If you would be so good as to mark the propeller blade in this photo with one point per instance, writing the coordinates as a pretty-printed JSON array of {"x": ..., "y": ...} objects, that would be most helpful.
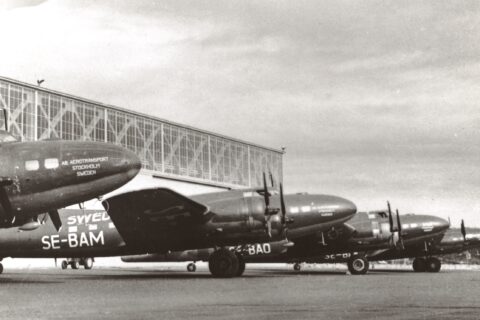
[
  {"x": 399, "y": 224},
  {"x": 55, "y": 217},
  {"x": 266, "y": 195},
  {"x": 269, "y": 227},
  {"x": 464, "y": 232},
  {"x": 271, "y": 180},
  {"x": 390, "y": 218},
  {"x": 282, "y": 207}
]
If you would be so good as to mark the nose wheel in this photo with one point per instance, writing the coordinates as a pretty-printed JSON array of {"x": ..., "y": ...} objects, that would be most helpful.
[{"x": 297, "y": 266}]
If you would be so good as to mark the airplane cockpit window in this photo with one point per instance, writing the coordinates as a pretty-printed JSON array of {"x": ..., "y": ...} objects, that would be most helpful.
[
  {"x": 6, "y": 137},
  {"x": 32, "y": 165},
  {"x": 51, "y": 163}
]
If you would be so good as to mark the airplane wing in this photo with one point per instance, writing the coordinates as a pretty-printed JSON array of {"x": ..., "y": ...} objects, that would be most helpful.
[{"x": 151, "y": 218}]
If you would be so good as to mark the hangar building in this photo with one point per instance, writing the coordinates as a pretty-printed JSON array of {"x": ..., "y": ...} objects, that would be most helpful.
[{"x": 187, "y": 159}]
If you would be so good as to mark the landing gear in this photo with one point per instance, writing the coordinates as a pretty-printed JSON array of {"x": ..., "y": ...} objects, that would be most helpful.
[
  {"x": 191, "y": 267},
  {"x": 358, "y": 265},
  {"x": 75, "y": 263},
  {"x": 297, "y": 266},
  {"x": 433, "y": 264},
  {"x": 419, "y": 265},
  {"x": 223, "y": 263},
  {"x": 87, "y": 263},
  {"x": 1, "y": 268}
]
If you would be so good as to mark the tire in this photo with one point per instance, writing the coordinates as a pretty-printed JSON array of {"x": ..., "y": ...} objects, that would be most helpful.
[
  {"x": 191, "y": 267},
  {"x": 433, "y": 264},
  {"x": 419, "y": 265},
  {"x": 223, "y": 263},
  {"x": 241, "y": 266},
  {"x": 358, "y": 265},
  {"x": 1, "y": 268},
  {"x": 64, "y": 265},
  {"x": 297, "y": 266},
  {"x": 88, "y": 263},
  {"x": 75, "y": 265}
]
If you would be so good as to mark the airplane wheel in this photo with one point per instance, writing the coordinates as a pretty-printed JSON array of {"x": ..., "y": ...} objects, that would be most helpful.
[
  {"x": 297, "y": 266},
  {"x": 419, "y": 265},
  {"x": 75, "y": 265},
  {"x": 64, "y": 265},
  {"x": 191, "y": 267},
  {"x": 358, "y": 265},
  {"x": 433, "y": 264},
  {"x": 223, "y": 263},
  {"x": 1, "y": 268},
  {"x": 88, "y": 263},
  {"x": 241, "y": 266}
]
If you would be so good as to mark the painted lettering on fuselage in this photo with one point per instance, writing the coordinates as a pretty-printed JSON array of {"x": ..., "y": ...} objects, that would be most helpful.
[
  {"x": 339, "y": 256},
  {"x": 257, "y": 249},
  {"x": 73, "y": 240},
  {"x": 81, "y": 232},
  {"x": 83, "y": 219},
  {"x": 85, "y": 166}
]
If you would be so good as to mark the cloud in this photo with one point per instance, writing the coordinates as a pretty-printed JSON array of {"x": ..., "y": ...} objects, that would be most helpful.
[{"x": 373, "y": 99}]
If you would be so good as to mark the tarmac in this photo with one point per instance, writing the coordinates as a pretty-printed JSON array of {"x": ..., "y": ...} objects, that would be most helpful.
[{"x": 262, "y": 293}]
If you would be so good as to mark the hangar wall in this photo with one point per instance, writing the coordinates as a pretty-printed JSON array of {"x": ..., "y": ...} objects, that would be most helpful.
[{"x": 196, "y": 160}]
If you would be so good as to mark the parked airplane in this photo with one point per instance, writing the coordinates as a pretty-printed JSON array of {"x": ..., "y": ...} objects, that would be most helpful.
[
  {"x": 161, "y": 220},
  {"x": 43, "y": 176},
  {"x": 368, "y": 236}
]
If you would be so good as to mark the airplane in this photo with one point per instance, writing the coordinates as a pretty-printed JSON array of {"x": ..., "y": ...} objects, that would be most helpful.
[
  {"x": 162, "y": 220},
  {"x": 39, "y": 177},
  {"x": 368, "y": 236}
]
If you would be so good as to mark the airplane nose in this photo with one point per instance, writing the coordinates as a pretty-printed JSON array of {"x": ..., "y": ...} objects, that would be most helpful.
[
  {"x": 345, "y": 208},
  {"x": 441, "y": 224},
  {"x": 131, "y": 163}
]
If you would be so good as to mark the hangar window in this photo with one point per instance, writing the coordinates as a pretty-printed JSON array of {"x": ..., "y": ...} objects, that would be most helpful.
[
  {"x": 32, "y": 165},
  {"x": 51, "y": 163}
]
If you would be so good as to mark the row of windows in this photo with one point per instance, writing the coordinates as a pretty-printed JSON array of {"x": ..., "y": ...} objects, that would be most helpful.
[
  {"x": 162, "y": 147},
  {"x": 33, "y": 165}
]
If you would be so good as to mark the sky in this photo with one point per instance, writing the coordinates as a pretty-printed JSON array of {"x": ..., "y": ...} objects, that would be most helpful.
[{"x": 373, "y": 100}]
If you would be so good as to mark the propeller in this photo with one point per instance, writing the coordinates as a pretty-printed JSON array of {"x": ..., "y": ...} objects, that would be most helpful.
[
  {"x": 271, "y": 180},
  {"x": 55, "y": 217},
  {"x": 269, "y": 212},
  {"x": 399, "y": 230},
  {"x": 464, "y": 232},
  {"x": 396, "y": 231},
  {"x": 390, "y": 219}
]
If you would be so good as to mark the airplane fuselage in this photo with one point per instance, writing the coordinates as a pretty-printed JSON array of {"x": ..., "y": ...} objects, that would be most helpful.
[{"x": 40, "y": 176}]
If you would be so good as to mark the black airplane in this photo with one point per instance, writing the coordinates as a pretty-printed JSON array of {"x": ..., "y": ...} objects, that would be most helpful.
[
  {"x": 43, "y": 176},
  {"x": 161, "y": 220},
  {"x": 368, "y": 236}
]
